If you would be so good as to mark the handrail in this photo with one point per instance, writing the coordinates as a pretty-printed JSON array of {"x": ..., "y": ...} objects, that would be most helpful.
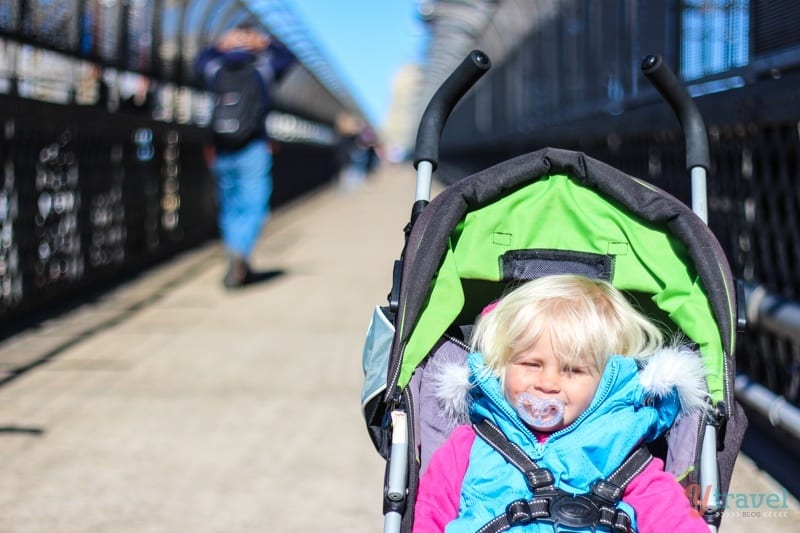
[
  {"x": 780, "y": 316},
  {"x": 780, "y": 413},
  {"x": 772, "y": 313}
]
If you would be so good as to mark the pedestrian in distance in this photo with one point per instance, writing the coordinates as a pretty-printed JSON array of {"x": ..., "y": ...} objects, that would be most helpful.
[
  {"x": 242, "y": 68},
  {"x": 351, "y": 151}
]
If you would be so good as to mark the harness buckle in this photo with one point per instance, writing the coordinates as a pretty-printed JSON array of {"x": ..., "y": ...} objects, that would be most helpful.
[
  {"x": 574, "y": 511},
  {"x": 538, "y": 478},
  {"x": 518, "y": 513},
  {"x": 622, "y": 522},
  {"x": 607, "y": 491}
]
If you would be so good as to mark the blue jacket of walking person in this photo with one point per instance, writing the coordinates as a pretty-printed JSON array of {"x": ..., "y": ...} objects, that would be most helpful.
[{"x": 271, "y": 63}]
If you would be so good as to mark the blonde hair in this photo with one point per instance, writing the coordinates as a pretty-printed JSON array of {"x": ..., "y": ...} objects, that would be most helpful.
[{"x": 588, "y": 321}]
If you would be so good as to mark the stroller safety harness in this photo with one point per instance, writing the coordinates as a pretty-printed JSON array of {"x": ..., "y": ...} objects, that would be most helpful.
[{"x": 554, "y": 505}]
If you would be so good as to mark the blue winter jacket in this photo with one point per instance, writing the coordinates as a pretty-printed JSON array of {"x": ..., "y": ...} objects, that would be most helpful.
[{"x": 619, "y": 418}]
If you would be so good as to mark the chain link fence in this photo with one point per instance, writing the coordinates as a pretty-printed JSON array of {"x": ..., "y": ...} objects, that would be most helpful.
[{"x": 573, "y": 82}]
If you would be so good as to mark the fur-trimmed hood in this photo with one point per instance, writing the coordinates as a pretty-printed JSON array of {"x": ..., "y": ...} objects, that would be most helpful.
[{"x": 672, "y": 372}]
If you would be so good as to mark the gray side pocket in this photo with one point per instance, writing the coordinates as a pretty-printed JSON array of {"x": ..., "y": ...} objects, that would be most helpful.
[{"x": 375, "y": 358}]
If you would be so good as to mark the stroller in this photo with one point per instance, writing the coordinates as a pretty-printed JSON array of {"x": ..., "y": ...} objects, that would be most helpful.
[{"x": 519, "y": 220}]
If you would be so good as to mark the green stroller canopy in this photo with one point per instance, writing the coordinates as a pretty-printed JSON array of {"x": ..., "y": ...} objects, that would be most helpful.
[{"x": 558, "y": 212}]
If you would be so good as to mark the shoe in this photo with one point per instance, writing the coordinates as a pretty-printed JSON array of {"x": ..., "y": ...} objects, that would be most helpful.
[{"x": 238, "y": 272}]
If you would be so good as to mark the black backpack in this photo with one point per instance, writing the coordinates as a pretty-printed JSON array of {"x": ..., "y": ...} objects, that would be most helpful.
[{"x": 241, "y": 105}]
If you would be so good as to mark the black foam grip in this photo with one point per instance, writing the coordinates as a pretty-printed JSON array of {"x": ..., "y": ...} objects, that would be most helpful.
[
  {"x": 674, "y": 92},
  {"x": 442, "y": 103}
]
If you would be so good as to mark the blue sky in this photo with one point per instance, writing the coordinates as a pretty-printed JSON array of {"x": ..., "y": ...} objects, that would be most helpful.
[{"x": 366, "y": 41}]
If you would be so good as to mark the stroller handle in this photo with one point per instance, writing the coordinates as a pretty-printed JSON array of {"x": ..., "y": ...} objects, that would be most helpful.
[
  {"x": 673, "y": 91},
  {"x": 442, "y": 103}
]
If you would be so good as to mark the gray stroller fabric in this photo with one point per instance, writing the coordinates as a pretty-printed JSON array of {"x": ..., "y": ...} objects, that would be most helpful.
[{"x": 432, "y": 427}]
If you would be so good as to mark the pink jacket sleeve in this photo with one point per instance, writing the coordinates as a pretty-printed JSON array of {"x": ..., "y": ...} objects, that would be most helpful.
[
  {"x": 660, "y": 503},
  {"x": 440, "y": 485}
]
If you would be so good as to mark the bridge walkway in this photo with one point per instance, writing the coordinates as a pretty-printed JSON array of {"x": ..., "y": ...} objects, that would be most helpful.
[{"x": 172, "y": 405}]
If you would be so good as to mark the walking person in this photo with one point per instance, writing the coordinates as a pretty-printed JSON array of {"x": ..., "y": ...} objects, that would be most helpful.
[
  {"x": 242, "y": 67},
  {"x": 352, "y": 151}
]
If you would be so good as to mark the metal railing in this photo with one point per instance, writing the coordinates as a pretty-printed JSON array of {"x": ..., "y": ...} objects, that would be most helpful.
[{"x": 779, "y": 317}]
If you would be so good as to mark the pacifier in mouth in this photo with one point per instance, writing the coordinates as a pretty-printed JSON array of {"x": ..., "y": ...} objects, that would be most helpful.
[{"x": 540, "y": 413}]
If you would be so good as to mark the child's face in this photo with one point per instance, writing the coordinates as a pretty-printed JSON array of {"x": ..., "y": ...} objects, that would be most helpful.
[{"x": 539, "y": 372}]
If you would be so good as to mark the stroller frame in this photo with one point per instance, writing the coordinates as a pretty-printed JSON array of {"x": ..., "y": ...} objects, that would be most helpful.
[{"x": 393, "y": 404}]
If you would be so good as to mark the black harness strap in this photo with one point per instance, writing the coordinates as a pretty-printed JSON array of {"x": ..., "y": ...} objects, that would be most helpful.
[
  {"x": 555, "y": 505},
  {"x": 537, "y": 478},
  {"x": 611, "y": 489}
]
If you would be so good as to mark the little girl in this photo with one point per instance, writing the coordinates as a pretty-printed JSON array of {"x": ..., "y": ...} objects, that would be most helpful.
[{"x": 574, "y": 381}]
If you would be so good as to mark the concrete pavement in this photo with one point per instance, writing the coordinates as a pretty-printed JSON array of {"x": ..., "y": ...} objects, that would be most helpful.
[{"x": 172, "y": 405}]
